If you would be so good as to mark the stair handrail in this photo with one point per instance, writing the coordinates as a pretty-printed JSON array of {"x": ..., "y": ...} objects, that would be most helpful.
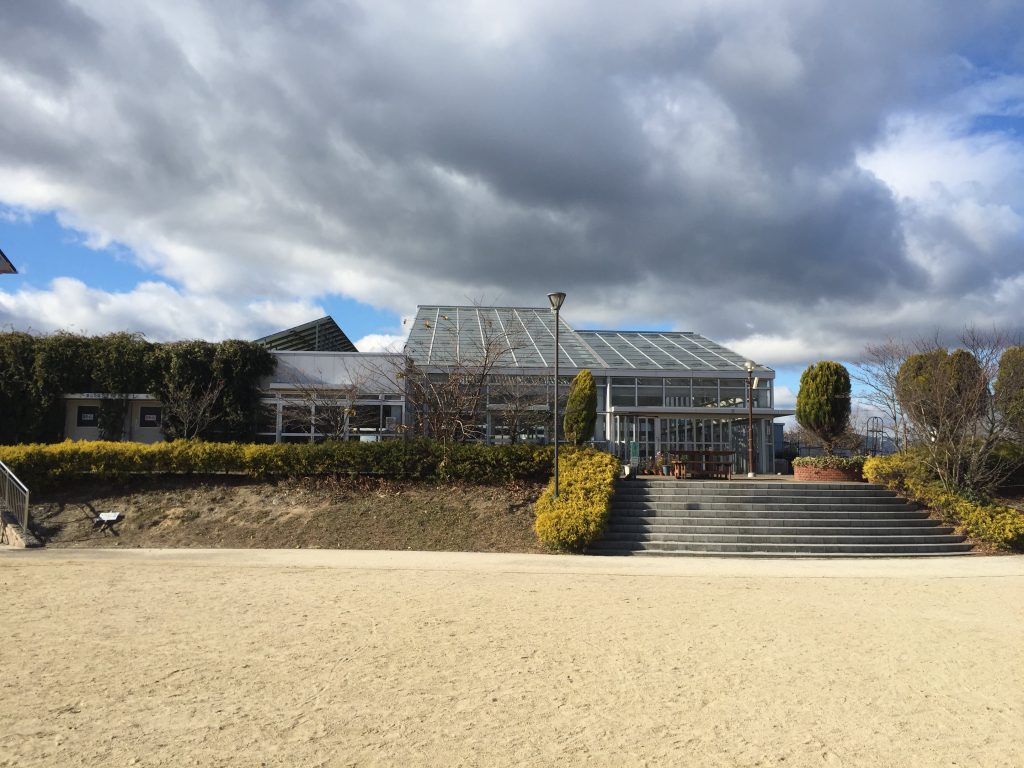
[{"x": 15, "y": 495}]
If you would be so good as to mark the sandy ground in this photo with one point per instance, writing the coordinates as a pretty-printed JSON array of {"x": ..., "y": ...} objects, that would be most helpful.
[{"x": 318, "y": 658}]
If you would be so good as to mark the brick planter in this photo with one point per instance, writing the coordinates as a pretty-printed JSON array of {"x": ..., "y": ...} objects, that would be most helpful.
[{"x": 821, "y": 475}]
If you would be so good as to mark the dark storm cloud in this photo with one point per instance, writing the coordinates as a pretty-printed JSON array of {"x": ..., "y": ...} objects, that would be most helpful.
[{"x": 693, "y": 165}]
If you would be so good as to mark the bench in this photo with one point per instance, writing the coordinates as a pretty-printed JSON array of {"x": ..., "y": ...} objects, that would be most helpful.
[{"x": 704, "y": 464}]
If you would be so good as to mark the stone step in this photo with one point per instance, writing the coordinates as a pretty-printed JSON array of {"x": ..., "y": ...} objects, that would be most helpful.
[
  {"x": 832, "y": 528},
  {"x": 809, "y": 555},
  {"x": 762, "y": 548},
  {"x": 833, "y": 506},
  {"x": 778, "y": 538},
  {"x": 771, "y": 485},
  {"x": 693, "y": 498},
  {"x": 771, "y": 519},
  {"x": 684, "y": 491},
  {"x": 769, "y": 514}
]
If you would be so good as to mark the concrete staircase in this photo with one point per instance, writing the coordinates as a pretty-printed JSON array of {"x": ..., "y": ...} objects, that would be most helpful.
[{"x": 770, "y": 518}]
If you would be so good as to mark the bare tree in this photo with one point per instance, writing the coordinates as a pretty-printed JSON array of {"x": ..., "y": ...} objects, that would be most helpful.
[
  {"x": 447, "y": 399},
  {"x": 329, "y": 411},
  {"x": 519, "y": 403},
  {"x": 327, "y": 405},
  {"x": 877, "y": 371},
  {"x": 803, "y": 439},
  {"x": 952, "y": 412},
  {"x": 190, "y": 409}
]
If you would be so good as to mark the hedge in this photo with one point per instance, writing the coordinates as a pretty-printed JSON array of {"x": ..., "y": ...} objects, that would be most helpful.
[
  {"x": 43, "y": 466},
  {"x": 35, "y": 371},
  {"x": 845, "y": 463},
  {"x": 580, "y": 514},
  {"x": 906, "y": 474}
]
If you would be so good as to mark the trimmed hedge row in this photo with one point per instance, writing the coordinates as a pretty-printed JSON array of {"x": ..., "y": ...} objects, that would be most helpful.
[
  {"x": 585, "y": 488},
  {"x": 42, "y": 466},
  {"x": 845, "y": 463},
  {"x": 906, "y": 474}
]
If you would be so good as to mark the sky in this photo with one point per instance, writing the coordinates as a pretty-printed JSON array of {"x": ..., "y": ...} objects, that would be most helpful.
[{"x": 793, "y": 179}]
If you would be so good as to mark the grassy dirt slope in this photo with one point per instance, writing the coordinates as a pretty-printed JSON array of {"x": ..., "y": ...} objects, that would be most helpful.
[{"x": 311, "y": 513}]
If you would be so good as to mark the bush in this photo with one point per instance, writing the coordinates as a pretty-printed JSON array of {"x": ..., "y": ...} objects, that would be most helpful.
[
  {"x": 823, "y": 402},
  {"x": 36, "y": 370},
  {"x": 44, "y": 466},
  {"x": 906, "y": 474},
  {"x": 580, "y": 514},
  {"x": 581, "y": 409},
  {"x": 845, "y": 463}
]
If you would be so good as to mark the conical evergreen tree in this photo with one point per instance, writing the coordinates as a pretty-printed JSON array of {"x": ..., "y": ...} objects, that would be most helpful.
[
  {"x": 823, "y": 402},
  {"x": 581, "y": 409}
]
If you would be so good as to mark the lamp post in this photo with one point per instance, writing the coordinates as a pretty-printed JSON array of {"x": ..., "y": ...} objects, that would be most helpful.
[
  {"x": 556, "y": 300},
  {"x": 749, "y": 365}
]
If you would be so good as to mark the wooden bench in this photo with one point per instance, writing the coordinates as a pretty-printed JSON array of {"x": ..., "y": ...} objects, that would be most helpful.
[{"x": 705, "y": 464}]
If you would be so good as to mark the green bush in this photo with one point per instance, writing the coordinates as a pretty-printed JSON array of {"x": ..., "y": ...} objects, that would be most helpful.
[
  {"x": 906, "y": 474},
  {"x": 44, "y": 466},
  {"x": 846, "y": 463},
  {"x": 580, "y": 409},
  {"x": 585, "y": 488},
  {"x": 823, "y": 402}
]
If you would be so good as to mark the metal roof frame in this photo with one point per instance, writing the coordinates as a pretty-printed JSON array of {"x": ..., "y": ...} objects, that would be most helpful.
[
  {"x": 449, "y": 335},
  {"x": 6, "y": 268}
]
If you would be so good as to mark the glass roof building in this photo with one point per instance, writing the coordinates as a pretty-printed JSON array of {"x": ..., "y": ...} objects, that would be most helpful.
[{"x": 658, "y": 391}]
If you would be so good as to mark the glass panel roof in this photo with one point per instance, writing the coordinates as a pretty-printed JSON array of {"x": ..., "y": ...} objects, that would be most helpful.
[{"x": 524, "y": 337}]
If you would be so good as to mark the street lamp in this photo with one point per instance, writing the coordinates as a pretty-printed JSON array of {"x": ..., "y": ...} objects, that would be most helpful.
[
  {"x": 556, "y": 300},
  {"x": 749, "y": 365}
]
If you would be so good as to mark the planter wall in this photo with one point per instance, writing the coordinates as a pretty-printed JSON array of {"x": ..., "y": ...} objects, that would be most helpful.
[{"x": 821, "y": 475}]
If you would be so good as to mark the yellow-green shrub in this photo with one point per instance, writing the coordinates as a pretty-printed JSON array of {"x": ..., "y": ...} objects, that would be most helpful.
[
  {"x": 586, "y": 482},
  {"x": 41, "y": 466},
  {"x": 906, "y": 474}
]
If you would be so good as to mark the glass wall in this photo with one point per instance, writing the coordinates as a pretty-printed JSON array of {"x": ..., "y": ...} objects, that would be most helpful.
[
  {"x": 293, "y": 419},
  {"x": 670, "y": 435},
  {"x": 628, "y": 392}
]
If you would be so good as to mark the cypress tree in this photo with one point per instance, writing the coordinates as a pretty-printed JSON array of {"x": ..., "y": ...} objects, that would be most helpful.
[
  {"x": 823, "y": 402},
  {"x": 581, "y": 409}
]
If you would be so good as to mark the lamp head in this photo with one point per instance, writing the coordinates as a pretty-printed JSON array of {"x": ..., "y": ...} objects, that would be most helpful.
[
  {"x": 749, "y": 365},
  {"x": 556, "y": 300}
]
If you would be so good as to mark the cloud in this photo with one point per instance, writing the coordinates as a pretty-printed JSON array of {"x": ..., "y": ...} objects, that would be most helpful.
[
  {"x": 157, "y": 310},
  {"x": 797, "y": 178},
  {"x": 381, "y": 342}
]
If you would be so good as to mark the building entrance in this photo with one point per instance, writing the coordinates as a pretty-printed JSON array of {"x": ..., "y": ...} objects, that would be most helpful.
[{"x": 672, "y": 435}]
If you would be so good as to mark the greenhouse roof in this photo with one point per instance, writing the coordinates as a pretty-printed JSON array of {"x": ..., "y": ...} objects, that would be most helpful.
[
  {"x": 323, "y": 335},
  {"x": 524, "y": 337}
]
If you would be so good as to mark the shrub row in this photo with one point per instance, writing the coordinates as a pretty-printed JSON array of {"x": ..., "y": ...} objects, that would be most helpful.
[
  {"x": 906, "y": 474},
  {"x": 846, "y": 463},
  {"x": 585, "y": 488},
  {"x": 43, "y": 466}
]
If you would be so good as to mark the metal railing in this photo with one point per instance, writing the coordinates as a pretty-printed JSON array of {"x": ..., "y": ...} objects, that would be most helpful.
[{"x": 15, "y": 495}]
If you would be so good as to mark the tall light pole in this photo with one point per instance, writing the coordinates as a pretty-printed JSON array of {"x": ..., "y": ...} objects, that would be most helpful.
[
  {"x": 749, "y": 365},
  {"x": 556, "y": 300}
]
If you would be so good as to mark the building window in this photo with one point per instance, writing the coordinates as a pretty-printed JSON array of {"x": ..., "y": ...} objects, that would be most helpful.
[
  {"x": 149, "y": 416},
  {"x": 88, "y": 415}
]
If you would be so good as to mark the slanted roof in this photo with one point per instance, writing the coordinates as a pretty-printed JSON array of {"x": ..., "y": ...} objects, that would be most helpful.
[
  {"x": 323, "y": 335},
  {"x": 6, "y": 268},
  {"x": 524, "y": 337}
]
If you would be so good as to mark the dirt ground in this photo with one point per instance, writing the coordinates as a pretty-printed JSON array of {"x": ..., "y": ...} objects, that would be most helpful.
[
  {"x": 316, "y": 658},
  {"x": 313, "y": 513}
]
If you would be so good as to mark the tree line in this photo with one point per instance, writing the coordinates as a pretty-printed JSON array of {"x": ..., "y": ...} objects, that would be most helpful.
[
  {"x": 960, "y": 407},
  {"x": 208, "y": 390}
]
